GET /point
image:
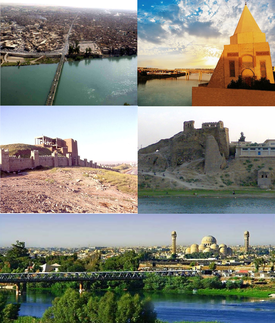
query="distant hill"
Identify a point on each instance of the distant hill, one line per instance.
(24, 150)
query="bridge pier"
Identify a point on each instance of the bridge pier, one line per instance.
(81, 289)
(200, 76)
(187, 75)
(19, 290)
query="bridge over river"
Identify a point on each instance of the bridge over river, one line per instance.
(53, 277)
(52, 92)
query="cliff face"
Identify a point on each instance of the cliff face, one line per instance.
(185, 147)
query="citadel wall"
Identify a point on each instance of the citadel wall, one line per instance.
(13, 164)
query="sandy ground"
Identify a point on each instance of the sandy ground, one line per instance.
(70, 190)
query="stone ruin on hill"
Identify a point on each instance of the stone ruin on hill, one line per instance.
(210, 143)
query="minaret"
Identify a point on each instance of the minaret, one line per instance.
(174, 243)
(246, 241)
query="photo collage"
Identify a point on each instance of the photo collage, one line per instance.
(137, 159)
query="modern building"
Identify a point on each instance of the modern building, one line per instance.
(249, 149)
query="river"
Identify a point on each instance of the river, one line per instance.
(199, 205)
(169, 92)
(108, 81)
(175, 307)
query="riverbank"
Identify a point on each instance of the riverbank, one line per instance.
(197, 193)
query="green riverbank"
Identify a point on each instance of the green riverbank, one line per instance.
(208, 193)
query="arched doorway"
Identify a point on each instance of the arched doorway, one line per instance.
(248, 75)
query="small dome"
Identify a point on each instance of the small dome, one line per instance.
(222, 245)
(214, 246)
(223, 251)
(201, 247)
(229, 251)
(187, 251)
(194, 248)
(207, 250)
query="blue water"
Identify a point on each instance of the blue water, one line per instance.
(197, 205)
(168, 92)
(172, 308)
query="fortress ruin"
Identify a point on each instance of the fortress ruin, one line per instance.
(64, 153)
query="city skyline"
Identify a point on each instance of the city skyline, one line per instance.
(103, 134)
(189, 34)
(103, 4)
(117, 230)
(156, 123)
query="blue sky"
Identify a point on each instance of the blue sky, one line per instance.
(192, 33)
(70, 230)
(103, 134)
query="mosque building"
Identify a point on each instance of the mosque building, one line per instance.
(209, 244)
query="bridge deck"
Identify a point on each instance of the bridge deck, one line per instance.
(88, 276)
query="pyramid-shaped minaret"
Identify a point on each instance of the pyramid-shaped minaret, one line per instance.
(248, 55)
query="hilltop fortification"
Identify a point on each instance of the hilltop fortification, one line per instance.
(209, 143)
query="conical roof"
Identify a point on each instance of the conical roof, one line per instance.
(247, 23)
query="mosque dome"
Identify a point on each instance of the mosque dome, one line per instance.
(223, 251)
(201, 247)
(208, 241)
(214, 246)
(194, 248)
(222, 245)
(187, 251)
(229, 251)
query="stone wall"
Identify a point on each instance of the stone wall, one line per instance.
(12, 163)
(205, 96)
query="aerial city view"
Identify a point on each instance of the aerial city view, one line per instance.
(185, 57)
(137, 161)
(49, 53)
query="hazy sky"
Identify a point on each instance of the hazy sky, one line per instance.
(192, 33)
(154, 124)
(76, 230)
(102, 133)
(104, 4)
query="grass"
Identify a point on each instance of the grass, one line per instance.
(24, 150)
(247, 292)
(27, 61)
(123, 182)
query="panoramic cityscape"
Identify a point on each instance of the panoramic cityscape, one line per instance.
(97, 260)
(137, 161)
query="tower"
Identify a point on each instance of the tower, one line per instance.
(174, 243)
(246, 241)
(247, 56)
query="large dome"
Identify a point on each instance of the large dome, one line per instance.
(208, 241)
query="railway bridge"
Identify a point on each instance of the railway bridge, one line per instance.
(21, 279)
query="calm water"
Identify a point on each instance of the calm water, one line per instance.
(172, 308)
(26, 85)
(108, 81)
(168, 92)
(193, 205)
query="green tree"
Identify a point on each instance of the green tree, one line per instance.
(10, 313)
(212, 266)
(107, 308)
